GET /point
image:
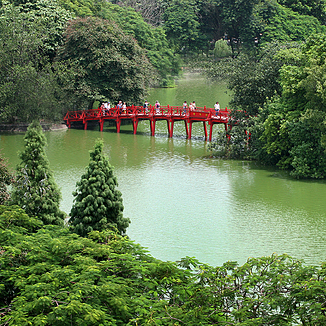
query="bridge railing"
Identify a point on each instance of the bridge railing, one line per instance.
(74, 115)
(202, 113)
(90, 114)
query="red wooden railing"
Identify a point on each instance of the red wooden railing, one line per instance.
(168, 113)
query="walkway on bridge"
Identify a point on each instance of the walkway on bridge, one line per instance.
(138, 113)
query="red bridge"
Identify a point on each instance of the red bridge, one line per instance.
(138, 113)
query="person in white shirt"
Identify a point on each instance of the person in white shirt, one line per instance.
(157, 107)
(217, 108)
(184, 106)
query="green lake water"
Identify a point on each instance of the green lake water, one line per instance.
(182, 203)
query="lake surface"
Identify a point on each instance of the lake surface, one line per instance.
(182, 203)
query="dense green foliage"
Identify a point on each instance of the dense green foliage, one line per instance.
(6, 179)
(181, 24)
(41, 77)
(222, 49)
(109, 63)
(153, 40)
(50, 276)
(35, 189)
(279, 107)
(276, 22)
(28, 85)
(97, 204)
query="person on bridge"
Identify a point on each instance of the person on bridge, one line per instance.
(184, 106)
(102, 107)
(105, 107)
(124, 107)
(217, 108)
(157, 107)
(194, 105)
(119, 107)
(146, 104)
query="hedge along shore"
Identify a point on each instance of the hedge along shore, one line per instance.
(22, 127)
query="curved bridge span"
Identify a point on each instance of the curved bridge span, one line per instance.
(137, 113)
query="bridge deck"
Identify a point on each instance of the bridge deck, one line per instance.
(137, 113)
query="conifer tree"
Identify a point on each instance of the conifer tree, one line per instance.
(35, 189)
(97, 204)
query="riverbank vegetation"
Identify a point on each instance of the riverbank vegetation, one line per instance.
(88, 272)
(52, 276)
(279, 106)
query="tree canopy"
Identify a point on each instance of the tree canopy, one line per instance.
(97, 204)
(109, 62)
(50, 276)
(279, 100)
(35, 189)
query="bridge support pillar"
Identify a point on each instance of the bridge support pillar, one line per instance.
(153, 127)
(135, 125)
(118, 124)
(171, 128)
(85, 125)
(190, 127)
(187, 132)
(210, 132)
(101, 124)
(205, 129)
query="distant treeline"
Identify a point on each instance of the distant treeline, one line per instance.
(63, 55)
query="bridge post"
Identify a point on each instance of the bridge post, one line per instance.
(205, 129)
(190, 126)
(85, 125)
(101, 124)
(153, 127)
(135, 125)
(118, 124)
(186, 125)
(210, 131)
(171, 128)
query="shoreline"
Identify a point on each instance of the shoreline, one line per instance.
(22, 127)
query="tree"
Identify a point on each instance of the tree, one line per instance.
(151, 10)
(314, 8)
(237, 18)
(97, 204)
(29, 37)
(222, 49)
(289, 129)
(35, 189)
(276, 22)
(108, 62)
(152, 39)
(181, 23)
(50, 276)
(6, 179)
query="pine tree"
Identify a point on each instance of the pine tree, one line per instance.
(35, 189)
(97, 204)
